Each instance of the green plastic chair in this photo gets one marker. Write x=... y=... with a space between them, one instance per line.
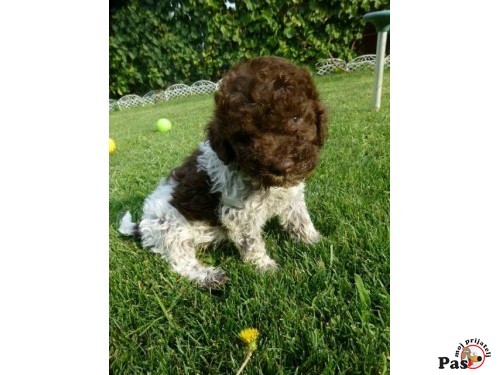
x=381 y=21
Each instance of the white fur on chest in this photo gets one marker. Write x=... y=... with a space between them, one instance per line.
x=239 y=200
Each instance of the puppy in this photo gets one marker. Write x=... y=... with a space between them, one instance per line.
x=262 y=142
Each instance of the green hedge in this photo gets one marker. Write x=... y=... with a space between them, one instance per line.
x=155 y=43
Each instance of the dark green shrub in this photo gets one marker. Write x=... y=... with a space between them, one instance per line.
x=155 y=43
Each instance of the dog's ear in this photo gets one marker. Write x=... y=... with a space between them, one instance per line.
x=465 y=352
x=232 y=106
x=321 y=123
x=219 y=144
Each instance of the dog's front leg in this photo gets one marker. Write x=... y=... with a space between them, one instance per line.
x=295 y=218
x=244 y=230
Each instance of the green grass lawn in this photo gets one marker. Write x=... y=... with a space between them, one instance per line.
x=326 y=311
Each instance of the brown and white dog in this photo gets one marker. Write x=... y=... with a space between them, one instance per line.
x=263 y=141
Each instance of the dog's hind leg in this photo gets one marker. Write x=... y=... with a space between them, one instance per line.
x=176 y=245
x=165 y=231
x=184 y=262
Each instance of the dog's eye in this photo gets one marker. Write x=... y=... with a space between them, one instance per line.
x=295 y=119
x=242 y=138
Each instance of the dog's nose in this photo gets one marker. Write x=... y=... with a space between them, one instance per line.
x=281 y=168
x=479 y=358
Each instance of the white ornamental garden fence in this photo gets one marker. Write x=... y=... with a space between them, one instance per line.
x=180 y=90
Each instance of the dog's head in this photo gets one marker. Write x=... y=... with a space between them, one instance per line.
x=466 y=353
x=269 y=121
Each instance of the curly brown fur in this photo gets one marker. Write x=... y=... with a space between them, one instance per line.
x=192 y=196
x=269 y=121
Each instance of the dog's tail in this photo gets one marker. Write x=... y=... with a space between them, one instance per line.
x=128 y=227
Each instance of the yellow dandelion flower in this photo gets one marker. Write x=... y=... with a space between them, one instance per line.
x=249 y=335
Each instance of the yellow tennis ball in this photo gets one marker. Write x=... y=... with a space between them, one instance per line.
x=112 y=146
x=163 y=125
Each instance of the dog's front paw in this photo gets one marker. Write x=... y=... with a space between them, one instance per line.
x=306 y=235
x=265 y=264
x=313 y=238
x=215 y=278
